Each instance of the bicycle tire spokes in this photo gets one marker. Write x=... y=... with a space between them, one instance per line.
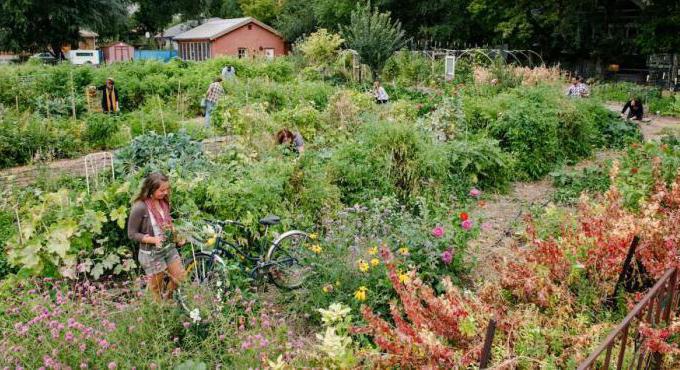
x=292 y=260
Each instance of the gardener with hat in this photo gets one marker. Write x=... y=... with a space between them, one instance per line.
x=109 y=97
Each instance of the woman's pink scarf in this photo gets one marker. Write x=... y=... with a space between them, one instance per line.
x=164 y=220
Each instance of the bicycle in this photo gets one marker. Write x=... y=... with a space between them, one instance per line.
x=288 y=261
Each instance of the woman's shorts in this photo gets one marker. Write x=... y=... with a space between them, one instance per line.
x=155 y=261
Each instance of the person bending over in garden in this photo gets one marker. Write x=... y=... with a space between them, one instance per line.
x=109 y=96
x=150 y=224
x=379 y=93
x=215 y=92
x=285 y=136
x=583 y=88
x=634 y=108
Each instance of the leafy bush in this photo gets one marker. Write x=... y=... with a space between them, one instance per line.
x=100 y=131
x=408 y=160
x=569 y=186
x=160 y=152
x=408 y=68
x=480 y=161
x=26 y=137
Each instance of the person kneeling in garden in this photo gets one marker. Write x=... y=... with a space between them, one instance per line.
x=634 y=108
x=150 y=224
x=285 y=136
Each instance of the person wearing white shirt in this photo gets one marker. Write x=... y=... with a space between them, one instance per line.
x=379 y=93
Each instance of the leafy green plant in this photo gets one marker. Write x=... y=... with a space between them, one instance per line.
x=160 y=152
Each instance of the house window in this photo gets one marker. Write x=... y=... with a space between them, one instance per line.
x=242 y=52
x=195 y=50
x=269 y=53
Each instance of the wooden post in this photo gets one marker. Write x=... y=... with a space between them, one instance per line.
x=160 y=105
x=16 y=99
x=488 y=341
x=73 y=96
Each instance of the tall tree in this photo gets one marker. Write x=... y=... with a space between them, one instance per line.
x=262 y=10
x=373 y=35
x=36 y=25
x=154 y=15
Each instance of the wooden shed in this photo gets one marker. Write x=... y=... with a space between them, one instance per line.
x=118 y=52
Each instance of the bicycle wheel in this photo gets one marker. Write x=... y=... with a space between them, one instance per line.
x=204 y=286
x=291 y=260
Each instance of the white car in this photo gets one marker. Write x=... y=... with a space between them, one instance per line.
x=83 y=56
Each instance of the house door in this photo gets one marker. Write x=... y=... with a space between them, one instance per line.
x=269 y=53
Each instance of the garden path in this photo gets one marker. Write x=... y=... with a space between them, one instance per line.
x=502 y=214
x=655 y=126
x=26 y=175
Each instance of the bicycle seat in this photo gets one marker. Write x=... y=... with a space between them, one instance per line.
x=270 y=220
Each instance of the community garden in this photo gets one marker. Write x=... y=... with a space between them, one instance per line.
x=392 y=196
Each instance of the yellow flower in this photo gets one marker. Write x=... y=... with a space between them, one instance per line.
x=337 y=283
x=313 y=236
x=360 y=295
x=404 y=278
x=403 y=251
x=363 y=266
x=373 y=251
x=316 y=248
x=375 y=262
x=327 y=288
x=211 y=241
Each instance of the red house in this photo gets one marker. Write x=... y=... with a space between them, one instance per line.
x=118 y=52
x=241 y=37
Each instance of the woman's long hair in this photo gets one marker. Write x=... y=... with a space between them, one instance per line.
x=284 y=135
x=151 y=183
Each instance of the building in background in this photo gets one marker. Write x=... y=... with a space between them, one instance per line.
x=240 y=37
x=165 y=39
x=117 y=52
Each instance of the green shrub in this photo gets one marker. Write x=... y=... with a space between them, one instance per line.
x=479 y=161
x=160 y=152
x=100 y=130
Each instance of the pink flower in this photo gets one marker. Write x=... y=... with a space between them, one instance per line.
x=112 y=365
x=153 y=366
x=176 y=352
x=466 y=225
x=186 y=324
x=222 y=337
x=447 y=256
x=83 y=365
x=474 y=192
x=69 y=336
x=104 y=343
x=438 y=232
x=487 y=226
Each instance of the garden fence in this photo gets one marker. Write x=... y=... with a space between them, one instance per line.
x=626 y=342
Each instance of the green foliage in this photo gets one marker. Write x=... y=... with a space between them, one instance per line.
x=262 y=10
x=26 y=137
x=154 y=152
x=321 y=47
x=373 y=35
x=100 y=130
x=480 y=161
x=570 y=185
x=407 y=68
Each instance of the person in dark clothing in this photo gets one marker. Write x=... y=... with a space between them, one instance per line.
x=287 y=137
x=634 y=107
x=109 y=97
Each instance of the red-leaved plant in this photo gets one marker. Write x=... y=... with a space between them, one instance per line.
x=429 y=330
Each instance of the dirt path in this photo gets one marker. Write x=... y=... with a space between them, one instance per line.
x=97 y=162
x=501 y=215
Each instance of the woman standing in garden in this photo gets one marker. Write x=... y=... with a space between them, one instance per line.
x=150 y=224
x=109 y=97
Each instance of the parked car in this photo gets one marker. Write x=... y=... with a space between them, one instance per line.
x=46 y=58
x=83 y=56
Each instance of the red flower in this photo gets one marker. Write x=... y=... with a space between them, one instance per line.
x=634 y=170
x=463 y=216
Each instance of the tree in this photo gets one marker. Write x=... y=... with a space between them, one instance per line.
x=153 y=15
x=321 y=47
x=262 y=10
x=373 y=35
x=295 y=19
x=36 y=25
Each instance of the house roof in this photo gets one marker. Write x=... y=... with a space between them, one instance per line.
x=114 y=43
x=217 y=28
x=175 y=30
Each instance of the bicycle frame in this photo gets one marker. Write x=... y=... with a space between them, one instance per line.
x=224 y=249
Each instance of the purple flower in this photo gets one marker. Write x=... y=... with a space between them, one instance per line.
x=112 y=365
x=447 y=256
x=186 y=325
x=487 y=226
x=466 y=225
x=474 y=192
